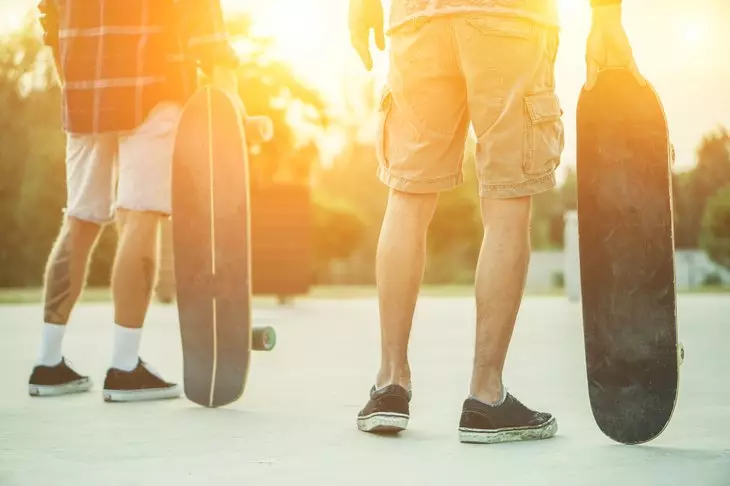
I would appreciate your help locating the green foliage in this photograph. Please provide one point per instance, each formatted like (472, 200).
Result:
(558, 280)
(31, 152)
(457, 219)
(712, 280)
(338, 231)
(715, 235)
(694, 188)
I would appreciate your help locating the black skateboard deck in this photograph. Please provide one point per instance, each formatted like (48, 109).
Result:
(626, 244)
(211, 242)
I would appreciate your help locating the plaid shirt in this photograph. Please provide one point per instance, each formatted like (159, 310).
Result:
(120, 58)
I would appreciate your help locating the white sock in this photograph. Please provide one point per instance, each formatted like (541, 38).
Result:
(126, 347)
(51, 340)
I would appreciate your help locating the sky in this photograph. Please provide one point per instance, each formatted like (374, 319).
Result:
(682, 47)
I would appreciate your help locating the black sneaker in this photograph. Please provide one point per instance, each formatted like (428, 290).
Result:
(511, 421)
(387, 411)
(137, 385)
(56, 380)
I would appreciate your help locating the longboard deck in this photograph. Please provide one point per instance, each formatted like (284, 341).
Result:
(212, 248)
(626, 243)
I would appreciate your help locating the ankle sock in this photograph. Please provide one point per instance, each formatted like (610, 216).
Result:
(126, 348)
(51, 343)
(496, 404)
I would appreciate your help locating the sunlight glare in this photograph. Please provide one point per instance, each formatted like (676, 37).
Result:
(694, 32)
(11, 22)
(301, 32)
(311, 36)
(572, 10)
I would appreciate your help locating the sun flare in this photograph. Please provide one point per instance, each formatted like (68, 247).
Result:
(573, 10)
(11, 21)
(303, 32)
(694, 32)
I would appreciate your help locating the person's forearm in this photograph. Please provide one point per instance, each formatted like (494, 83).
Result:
(606, 13)
(205, 36)
(49, 20)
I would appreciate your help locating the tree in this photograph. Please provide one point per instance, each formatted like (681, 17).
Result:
(338, 232)
(693, 189)
(715, 235)
(268, 86)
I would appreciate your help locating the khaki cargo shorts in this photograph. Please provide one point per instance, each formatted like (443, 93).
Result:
(493, 73)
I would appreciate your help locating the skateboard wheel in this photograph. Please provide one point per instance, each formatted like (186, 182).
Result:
(264, 339)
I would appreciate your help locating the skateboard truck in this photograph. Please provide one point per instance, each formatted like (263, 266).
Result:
(259, 129)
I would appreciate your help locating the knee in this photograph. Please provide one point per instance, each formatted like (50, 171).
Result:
(421, 206)
(411, 212)
(140, 220)
(78, 230)
(515, 211)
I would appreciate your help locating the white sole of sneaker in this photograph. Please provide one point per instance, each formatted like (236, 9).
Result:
(78, 386)
(477, 436)
(141, 395)
(383, 422)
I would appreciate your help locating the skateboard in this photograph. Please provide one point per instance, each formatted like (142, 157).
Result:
(626, 245)
(211, 247)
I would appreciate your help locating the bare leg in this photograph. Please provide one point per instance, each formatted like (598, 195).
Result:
(134, 266)
(128, 378)
(64, 281)
(67, 267)
(400, 264)
(500, 282)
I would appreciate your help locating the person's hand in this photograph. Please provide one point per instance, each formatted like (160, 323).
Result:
(364, 16)
(258, 129)
(608, 46)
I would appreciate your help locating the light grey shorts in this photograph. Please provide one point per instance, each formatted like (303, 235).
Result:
(130, 171)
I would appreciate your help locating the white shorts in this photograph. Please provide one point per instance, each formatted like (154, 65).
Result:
(130, 171)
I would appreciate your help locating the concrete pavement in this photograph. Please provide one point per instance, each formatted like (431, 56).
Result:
(296, 422)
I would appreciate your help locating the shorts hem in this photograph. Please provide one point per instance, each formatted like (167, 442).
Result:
(87, 218)
(418, 186)
(138, 209)
(523, 189)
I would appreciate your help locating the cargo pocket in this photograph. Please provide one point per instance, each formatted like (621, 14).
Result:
(384, 109)
(544, 134)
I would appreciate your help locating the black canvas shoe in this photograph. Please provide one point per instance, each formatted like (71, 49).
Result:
(510, 421)
(386, 412)
(140, 384)
(56, 380)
